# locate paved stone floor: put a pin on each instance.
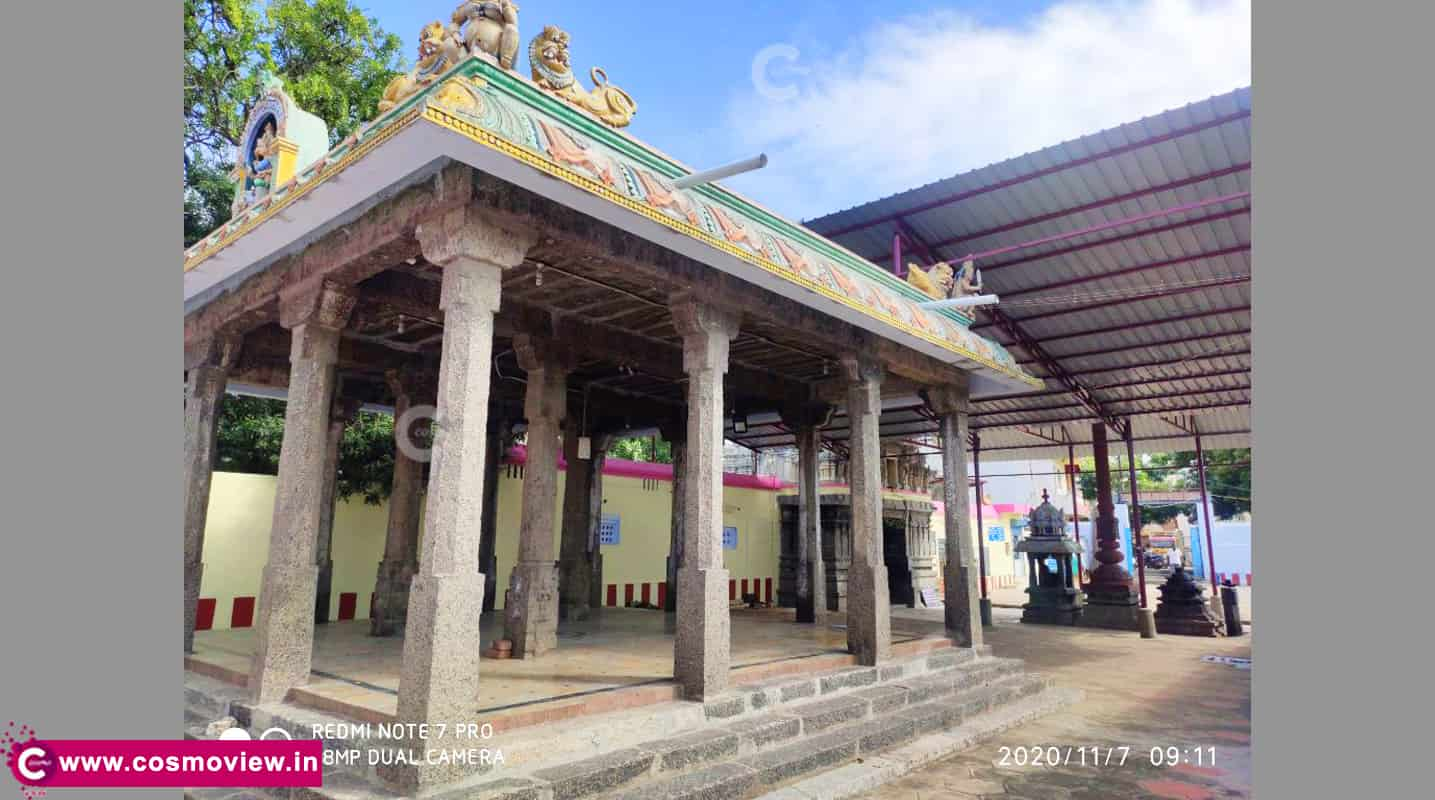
(621, 648)
(1139, 693)
(1015, 596)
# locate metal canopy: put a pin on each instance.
(1123, 261)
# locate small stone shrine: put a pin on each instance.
(1053, 596)
(1183, 609)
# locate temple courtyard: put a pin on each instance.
(1139, 693)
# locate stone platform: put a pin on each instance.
(759, 736)
(622, 658)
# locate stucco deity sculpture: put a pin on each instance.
(491, 28)
(969, 281)
(440, 47)
(935, 282)
(548, 57)
(260, 175)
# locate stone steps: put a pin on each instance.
(748, 740)
(764, 749)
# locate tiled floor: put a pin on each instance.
(1140, 694)
(358, 675)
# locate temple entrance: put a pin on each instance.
(899, 569)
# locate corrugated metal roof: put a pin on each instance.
(1151, 317)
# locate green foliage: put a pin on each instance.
(643, 448)
(251, 432)
(1228, 481)
(333, 60)
(208, 193)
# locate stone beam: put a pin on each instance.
(379, 239)
(682, 274)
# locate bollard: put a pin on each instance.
(1233, 610)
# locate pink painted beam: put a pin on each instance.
(1095, 204)
(1244, 432)
(1161, 363)
(1052, 170)
(1120, 385)
(1142, 345)
(1090, 418)
(1136, 298)
(1131, 326)
(1117, 400)
(1077, 248)
(1154, 265)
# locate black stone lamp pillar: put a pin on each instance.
(1053, 598)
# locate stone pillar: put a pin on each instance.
(810, 578)
(1111, 602)
(595, 521)
(677, 436)
(204, 395)
(582, 513)
(284, 635)
(499, 437)
(703, 647)
(343, 413)
(530, 614)
(439, 678)
(961, 608)
(401, 541)
(869, 622)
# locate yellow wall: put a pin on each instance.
(241, 507)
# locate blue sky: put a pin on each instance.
(854, 101)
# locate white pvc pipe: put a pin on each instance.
(718, 173)
(962, 302)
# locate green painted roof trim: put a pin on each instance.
(527, 93)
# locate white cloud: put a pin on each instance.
(923, 98)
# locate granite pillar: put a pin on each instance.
(530, 614)
(438, 681)
(204, 396)
(581, 516)
(678, 439)
(810, 579)
(499, 437)
(595, 522)
(869, 635)
(703, 648)
(401, 540)
(961, 609)
(284, 631)
(1111, 600)
(343, 413)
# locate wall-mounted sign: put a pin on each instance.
(609, 530)
(729, 538)
(996, 533)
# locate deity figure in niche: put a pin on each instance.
(259, 177)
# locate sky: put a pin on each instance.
(855, 101)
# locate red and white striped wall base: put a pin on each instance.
(656, 593)
(1235, 578)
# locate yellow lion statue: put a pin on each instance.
(936, 282)
(548, 58)
(440, 47)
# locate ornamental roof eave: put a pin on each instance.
(519, 129)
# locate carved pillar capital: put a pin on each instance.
(462, 233)
(706, 331)
(949, 399)
(218, 350)
(861, 368)
(325, 305)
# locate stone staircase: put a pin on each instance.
(755, 739)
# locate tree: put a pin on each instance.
(333, 60)
(251, 431)
(642, 448)
(1228, 481)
